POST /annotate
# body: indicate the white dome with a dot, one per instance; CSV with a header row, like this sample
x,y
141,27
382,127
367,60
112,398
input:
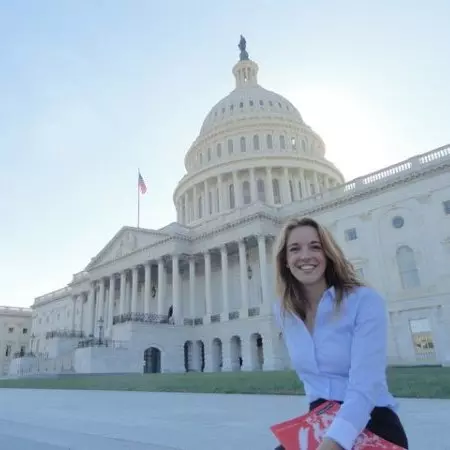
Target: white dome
x,y
253,146
249,100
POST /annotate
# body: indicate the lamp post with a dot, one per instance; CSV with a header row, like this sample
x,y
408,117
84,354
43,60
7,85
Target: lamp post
x,y
100,330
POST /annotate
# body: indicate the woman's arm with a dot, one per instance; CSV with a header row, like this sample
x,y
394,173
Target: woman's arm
x,y
367,370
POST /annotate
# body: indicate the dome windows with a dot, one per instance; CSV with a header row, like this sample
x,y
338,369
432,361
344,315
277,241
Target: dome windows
x,y
243,144
269,141
294,143
256,142
282,142
230,146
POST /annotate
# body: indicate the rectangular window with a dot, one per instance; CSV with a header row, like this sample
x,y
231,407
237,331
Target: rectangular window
x,y
350,234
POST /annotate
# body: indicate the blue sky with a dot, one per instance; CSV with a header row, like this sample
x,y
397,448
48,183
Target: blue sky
x,y
92,90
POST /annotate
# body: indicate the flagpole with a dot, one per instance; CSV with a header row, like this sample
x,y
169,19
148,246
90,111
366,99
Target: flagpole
x,y
138,200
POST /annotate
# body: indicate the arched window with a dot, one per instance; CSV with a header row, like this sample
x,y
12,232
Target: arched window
x,y
243,144
256,142
261,190
269,141
246,193
219,150
276,191
282,142
294,143
200,207
230,146
407,268
231,196
303,145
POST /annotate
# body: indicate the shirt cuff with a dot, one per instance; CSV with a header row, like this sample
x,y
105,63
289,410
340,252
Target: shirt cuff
x,y
343,432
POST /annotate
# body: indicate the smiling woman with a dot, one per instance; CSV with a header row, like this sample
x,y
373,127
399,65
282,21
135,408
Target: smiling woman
x,y
335,330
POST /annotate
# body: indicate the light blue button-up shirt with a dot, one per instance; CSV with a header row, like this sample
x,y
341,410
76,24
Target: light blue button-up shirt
x,y
344,359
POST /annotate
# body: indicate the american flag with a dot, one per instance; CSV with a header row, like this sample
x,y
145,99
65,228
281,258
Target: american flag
x,y
141,184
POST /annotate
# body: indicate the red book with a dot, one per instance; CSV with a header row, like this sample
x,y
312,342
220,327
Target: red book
x,y
306,432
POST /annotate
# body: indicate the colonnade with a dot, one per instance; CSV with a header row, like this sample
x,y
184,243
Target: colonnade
x,y
98,301
240,187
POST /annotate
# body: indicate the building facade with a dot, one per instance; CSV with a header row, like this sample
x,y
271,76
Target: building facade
x,y
15,330
198,293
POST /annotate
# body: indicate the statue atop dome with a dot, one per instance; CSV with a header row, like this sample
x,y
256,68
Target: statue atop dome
x,y
242,47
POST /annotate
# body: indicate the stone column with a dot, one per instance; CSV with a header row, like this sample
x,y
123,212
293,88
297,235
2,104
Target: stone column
x,y
263,268
305,190
220,189
186,208
297,189
91,310
192,311
237,190
123,287
316,182
286,188
253,187
147,287
134,289
243,277
206,199
161,286
101,299
224,267
270,198
112,291
74,310
207,257
81,298
177,316
195,202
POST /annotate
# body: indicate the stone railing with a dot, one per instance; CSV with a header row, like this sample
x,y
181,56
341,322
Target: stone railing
x,y
385,176
53,295
15,309
140,318
102,342
68,334
23,355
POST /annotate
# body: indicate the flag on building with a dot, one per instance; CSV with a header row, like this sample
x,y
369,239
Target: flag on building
x,y
141,184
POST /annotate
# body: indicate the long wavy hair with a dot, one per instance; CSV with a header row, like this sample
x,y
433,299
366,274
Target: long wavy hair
x,y
339,272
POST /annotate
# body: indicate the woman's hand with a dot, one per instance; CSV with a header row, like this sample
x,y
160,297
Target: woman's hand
x,y
329,444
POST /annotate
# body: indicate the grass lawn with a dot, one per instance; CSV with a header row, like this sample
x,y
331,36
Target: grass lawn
x,y
416,382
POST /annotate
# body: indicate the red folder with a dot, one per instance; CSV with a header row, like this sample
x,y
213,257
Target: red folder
x,y
306,432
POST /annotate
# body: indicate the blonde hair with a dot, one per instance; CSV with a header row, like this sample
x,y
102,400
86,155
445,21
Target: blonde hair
x,y
339,272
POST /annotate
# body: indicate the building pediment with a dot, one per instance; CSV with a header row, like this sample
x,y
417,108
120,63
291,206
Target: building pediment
x,y
125,242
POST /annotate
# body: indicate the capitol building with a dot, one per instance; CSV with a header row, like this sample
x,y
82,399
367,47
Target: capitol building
x,y
197,294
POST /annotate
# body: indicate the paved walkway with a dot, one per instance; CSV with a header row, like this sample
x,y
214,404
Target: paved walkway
x,y
100,420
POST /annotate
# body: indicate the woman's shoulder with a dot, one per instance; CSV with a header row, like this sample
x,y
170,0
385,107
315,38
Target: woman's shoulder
x,y
367,299
365,293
